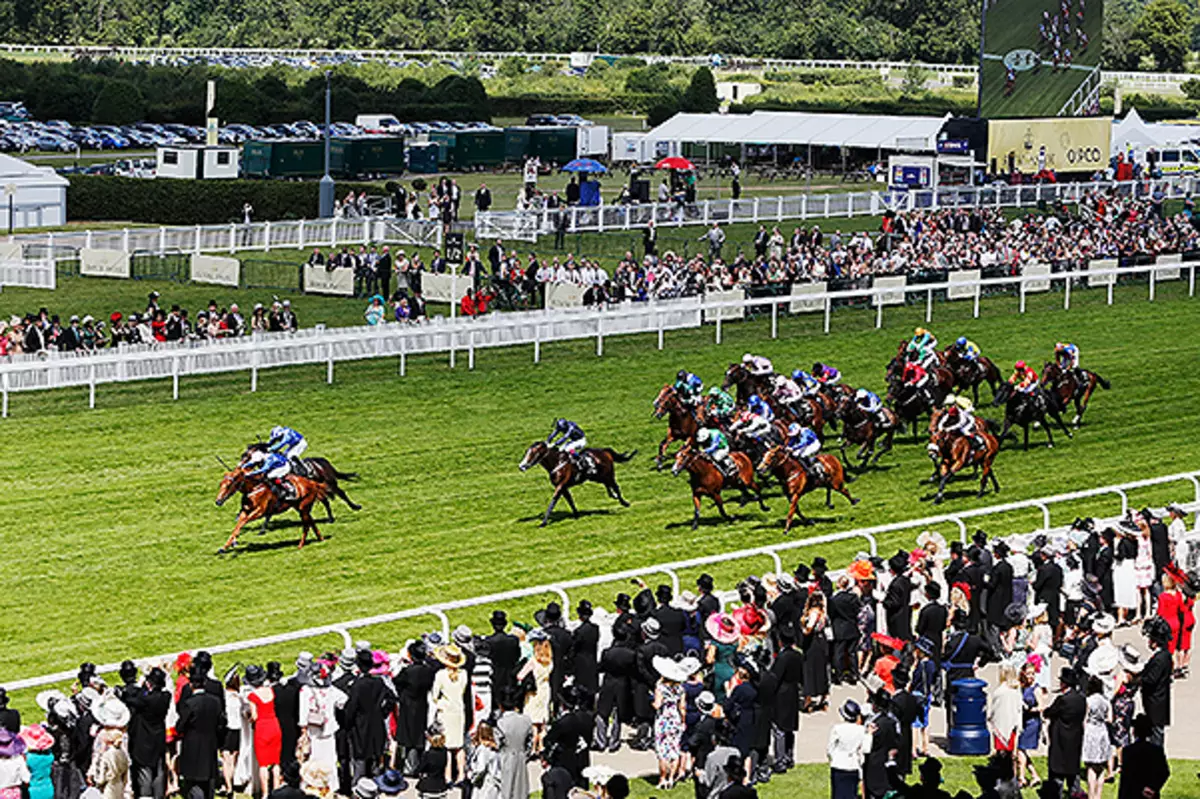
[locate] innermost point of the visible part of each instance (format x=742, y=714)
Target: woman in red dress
x=1176, y=608
x=267, y=737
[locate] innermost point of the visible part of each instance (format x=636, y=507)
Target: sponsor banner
x=564, y=295
x=438, y=287
x=103, y=263
x=958, y=292
x=215, y=269
x=891, y=297
x=1038, y=284
x=1061, y=144
x=1102, y=280
x=725, y=314
x=1168, y=274
x=11, y=251
x=317, y=280
x=809, y=306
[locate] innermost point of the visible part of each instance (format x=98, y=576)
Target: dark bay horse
x=319, y=469
x=747, y=384
x=709, y=481
x=797, y=482
x=260, y=501
x=910, y=403
x=952, y=452
x=1022, y=410
x=860, y=427
x=1065, y=387
x=682, y=422
x=970, y=374
x=564, y=475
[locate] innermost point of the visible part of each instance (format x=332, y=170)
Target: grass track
x=110, y=526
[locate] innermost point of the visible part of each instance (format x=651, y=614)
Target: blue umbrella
x=584, y=165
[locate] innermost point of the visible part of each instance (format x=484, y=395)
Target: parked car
x=541, y=121
x=52, y=142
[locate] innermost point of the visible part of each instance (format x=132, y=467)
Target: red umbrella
x=675, y=162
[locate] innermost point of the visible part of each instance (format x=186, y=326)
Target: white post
x=92, y=386
x=199, y=233
x=719, y=315
x=175, y=377
x=1152, y=273
x=87, y=238
x=537, y=342
x=978, y=291
x=755, y=209
x=366, y=237
x=300, y=236
x=706, y=206
x=828, y=308
x=1192, y=282
x=4, y=401
x=1110, y=291
x=254, y=369
x=878, y=311
x=779, y=209
x=333, y=223
x=471, y=349
x=1067, y=293
x=803, y=206
x=233, y=237
x=452, y=337
x=329, y=363
x=162, y=239
x=774, y=320
x=453, y=291
x=929, y=306
x=659, y=320
x=125, y=239
x=1021, y=290
x=599, y=336
x=826, y=213
x=266, y=236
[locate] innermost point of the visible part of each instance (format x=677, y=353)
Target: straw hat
x=925, y=539
x=1103, y=661
x=316, y=777
x=450, y=655
x=109, y=711
x=673, y=670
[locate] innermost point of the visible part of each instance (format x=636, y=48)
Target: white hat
x=1036, y=610
x=599, y=775
x=1104, y=624
x=46, y=699
x=110, y=711
x=1131, y=659
x=1102, y=661
x=674, y=670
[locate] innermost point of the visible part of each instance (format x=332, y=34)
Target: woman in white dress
x=447, y=698
x=1097, y=747
x=537, y=701
x=1125, y=594
x=318, y=702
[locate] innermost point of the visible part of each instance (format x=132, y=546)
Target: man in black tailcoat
x=200, y=727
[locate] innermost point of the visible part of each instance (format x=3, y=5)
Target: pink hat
x=722, y=627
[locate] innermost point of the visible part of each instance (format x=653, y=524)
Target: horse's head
x=1002, y=394
x=533, y=456
x=252, y=450
x=231, y=483
x=663, y=402
x=683, y=459
x=736, y=373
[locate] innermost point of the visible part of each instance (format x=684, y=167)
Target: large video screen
x=1036, y=54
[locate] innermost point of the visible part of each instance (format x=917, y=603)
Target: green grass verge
x=111, y=530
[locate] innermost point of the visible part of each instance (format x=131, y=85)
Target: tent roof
x=1134, y=131
x=801, y=128
x=22, y=173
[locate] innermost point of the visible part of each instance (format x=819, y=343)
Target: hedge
x=194, y=202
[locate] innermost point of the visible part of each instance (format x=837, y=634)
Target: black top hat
x=980, y=537
x=3, y=698
x=705, y=582
x=499, y=619
x=128, y=671
x=1001, y=549
x=898, y=562
x=618, y=786
x=622, y=602
x=255, y=675
x=803, y=574
x=291, y=773
x=274, y=671
x=157, y=677
x=933, y=590
x=820, y=565
x=364, y=660
x=417, y=651
x=584, y=609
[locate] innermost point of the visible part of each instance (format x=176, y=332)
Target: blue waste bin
x=968, y=719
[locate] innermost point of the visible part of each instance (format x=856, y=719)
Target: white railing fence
x=561, y=590
x=319, y=345
x=530, y=225
x=34, y=274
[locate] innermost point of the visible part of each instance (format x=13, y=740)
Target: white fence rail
x=54, y=370
x=263, y=236
x=529, y=225
x=869, y=535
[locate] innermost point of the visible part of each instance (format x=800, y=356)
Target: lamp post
x=325, y=191
x=10, y=190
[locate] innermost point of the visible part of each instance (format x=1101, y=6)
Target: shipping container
x=479, y=148
x=423, y=158
x=284, y=159
x=371, y=156
x=554, y=145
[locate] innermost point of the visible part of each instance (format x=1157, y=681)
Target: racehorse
x=564, y=475
x=260, y=501
x=1064, y=387
x=709, y=481
x=797, y=481
x=951, y=452
x=863, y=429
x=969, y=374
x=682, y=423
x=910, y=403
x=1024, y=409
x=747, y=384
x=319, y=469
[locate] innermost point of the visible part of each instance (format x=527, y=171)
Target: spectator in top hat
x=290, y=779
x=506, y=654
x=10, y=718
x=897, y=602
x=820, y=576
x=671, y=620
x=708, y=603
x=1144, y=766
x=585, y=643
x=200, y=727
x=1066, y=715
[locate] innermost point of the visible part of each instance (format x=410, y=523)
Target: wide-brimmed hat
x=706, y=701
x=462, y=635
x=450, y=655
x=1103, y=661
x=673, y=670
x=317, y=776
x=932, y=537
x=46, y=699
x=1015, y=612
x=598, y=774
x=391, y=783
x=36, y=737
x=1037, y=610
x=751, y=620
x=1104, y=624
x=888, y=641
x=11, y=744
x=686, y=601
x=255, y=676
x=366, y=788
x=722, y=627
x=861, y=570
x=850, y=710
x=109, y=711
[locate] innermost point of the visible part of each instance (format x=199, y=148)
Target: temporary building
x=36, y=196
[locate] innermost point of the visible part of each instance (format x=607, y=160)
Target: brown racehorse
x=1066, y=388
x=863, y=429
x=709, y=481
x=564, y=475
x=681, y=422
x=969, y=374
x=797, y=482
x=952, y=452
x=321, y=470
x=747, y=384
x=259, y=501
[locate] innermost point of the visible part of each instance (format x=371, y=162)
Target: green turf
x=110, y=529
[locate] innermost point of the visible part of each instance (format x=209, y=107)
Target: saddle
x=584, y=463
x=301, y=468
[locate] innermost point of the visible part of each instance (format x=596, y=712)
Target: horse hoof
x=855, y=501
x=221, y=551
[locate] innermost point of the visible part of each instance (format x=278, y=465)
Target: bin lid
x=970, y=682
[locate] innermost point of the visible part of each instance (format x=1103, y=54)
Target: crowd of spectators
x=44, y=331
x=713, y=683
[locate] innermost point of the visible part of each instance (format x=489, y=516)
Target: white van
x=378, y=123
x=1178, y=160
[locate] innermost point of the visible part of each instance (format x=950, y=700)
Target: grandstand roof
x=918, y=134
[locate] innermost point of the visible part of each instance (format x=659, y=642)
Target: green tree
x=701, y=94
x=119, y=103
x=1164, y=31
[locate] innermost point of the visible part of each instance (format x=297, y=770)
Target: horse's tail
x=347, y=476
x=1104, y=384
x=620, y=457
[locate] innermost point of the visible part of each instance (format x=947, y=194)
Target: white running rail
x=869, y=535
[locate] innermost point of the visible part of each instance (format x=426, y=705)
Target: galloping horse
x=682, y=422
x=1025, y=409
x=797, y=482
x=259, y=501
x=969, y=374
x=319, y=469
x=709, y=481
x=951, y=452
x=863, y=429
x=747, y=384
x=564, y=475
x=1064, y=387
x=910, y=404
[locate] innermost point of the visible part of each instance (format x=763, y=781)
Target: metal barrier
x=454, y=336
x=530, y=225
x=441, y=610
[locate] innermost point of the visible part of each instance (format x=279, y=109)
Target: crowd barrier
x=52, y=370
x=31, y=274
x=530, y=225
x=560, y=590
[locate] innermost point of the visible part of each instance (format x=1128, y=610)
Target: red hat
x=888, y=641
x=965, y=588
x=1177, y=574
x=115, y=317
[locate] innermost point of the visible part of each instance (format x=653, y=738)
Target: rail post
x=1021, y=291
x=878, y=311
x=471, y=350
x=254, y=369
x=978, y=292
x=1110, y=289
x=828, y=307
x=92, y=385
x=659, y=322
x=175, y=377
x=719, y=326
x=774, y=320
x=329, y=363
x=537, y=342
x=599, y=336
x=4, y=400
x=1152, y=273
x=1192, y=282
x=1067, y=293
x=929, y=305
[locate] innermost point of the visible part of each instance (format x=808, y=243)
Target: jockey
x=275, y=468
x=966, y=349
x=786, y=391
x=809, y=385
x=1023, y=378
x=757, y=365
x=567, y=437
x=688, y=387
x=759, y=407
x=715, y=445
x=1067, y=356
x=721, y=403
x=869, y=403
x=914, y=375
x=960, y=418
x=923, y=346
x=751, y=425
x=287, y=442
x=826, y=375
x=803, y=444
